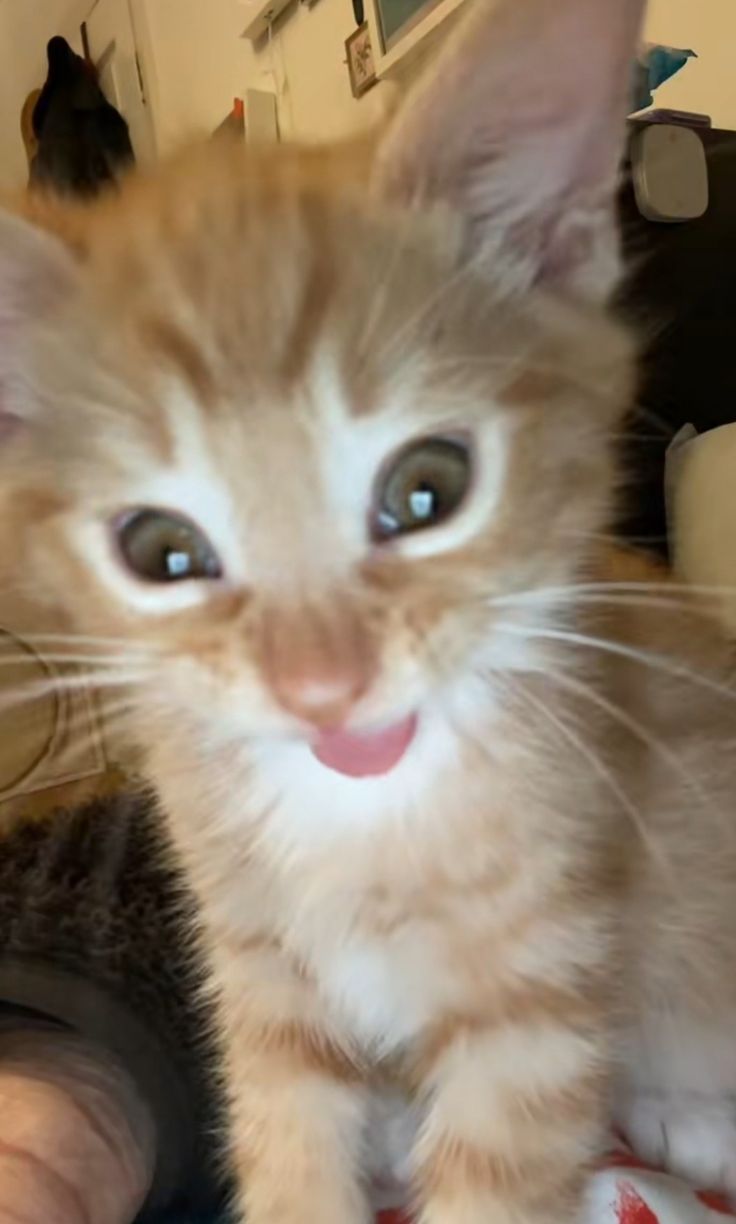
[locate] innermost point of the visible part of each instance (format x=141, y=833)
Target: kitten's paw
x=691, y=1135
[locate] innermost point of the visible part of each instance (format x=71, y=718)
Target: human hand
x=76, y=1143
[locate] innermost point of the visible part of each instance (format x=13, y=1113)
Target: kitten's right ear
x=37, y=273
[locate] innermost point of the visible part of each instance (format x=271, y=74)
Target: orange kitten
x=316, y=446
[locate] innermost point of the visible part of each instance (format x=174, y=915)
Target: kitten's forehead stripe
x=310, y=317
x=181, y=353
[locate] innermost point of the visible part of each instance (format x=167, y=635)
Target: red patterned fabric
x=626, y=1191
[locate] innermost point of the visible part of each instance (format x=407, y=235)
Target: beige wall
x=317, y=103
x=201, y=63
x=195, y=64
x=707, y=84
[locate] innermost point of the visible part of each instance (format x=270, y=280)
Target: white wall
x=707, y=84
x=25, y=28
x=317, y=103
x=197, y=64
x=200, y=63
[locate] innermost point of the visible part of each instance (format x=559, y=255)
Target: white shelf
x=418, y=41
x=259, y=15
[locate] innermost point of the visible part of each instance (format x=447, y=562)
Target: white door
x=112, y=46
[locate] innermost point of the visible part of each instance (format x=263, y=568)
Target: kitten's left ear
x=37, y=273
x=520, y=128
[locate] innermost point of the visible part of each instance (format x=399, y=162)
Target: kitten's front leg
x=515, y=1114
x=298, y=1105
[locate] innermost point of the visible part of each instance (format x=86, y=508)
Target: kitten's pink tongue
x=365, y=754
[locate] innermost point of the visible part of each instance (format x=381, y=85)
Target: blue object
x=657, y=65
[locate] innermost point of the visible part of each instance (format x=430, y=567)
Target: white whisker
x=575, y=589
x=38, y=690
x=606, y=775
x=625, y=599
x=111, y=717
x=658, y=662
x=636, y=729
x=70, y=638
x=19, y=658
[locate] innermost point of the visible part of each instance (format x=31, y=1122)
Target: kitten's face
x=291, y=443
x=352, y=447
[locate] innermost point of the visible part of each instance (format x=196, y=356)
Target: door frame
x=145, y=58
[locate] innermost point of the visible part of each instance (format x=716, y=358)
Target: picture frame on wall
x=360, y=61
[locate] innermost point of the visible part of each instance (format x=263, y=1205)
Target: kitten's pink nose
x=318, y=662
x=324, y=701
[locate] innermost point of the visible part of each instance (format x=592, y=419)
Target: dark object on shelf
x=359, y=12
x=680, y=296
x=83, y=141
x=97, y=934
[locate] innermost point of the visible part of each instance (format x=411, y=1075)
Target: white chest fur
x=377, y=991
x=383, y=989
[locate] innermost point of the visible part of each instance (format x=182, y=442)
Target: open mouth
x=365, y=754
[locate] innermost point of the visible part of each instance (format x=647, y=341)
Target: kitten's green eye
x=423, y=486
x=162, y=547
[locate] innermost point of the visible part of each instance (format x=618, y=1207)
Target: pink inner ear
x=520, y=128
x=8, y=426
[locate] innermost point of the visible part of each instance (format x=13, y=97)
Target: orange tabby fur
x=530, y=923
